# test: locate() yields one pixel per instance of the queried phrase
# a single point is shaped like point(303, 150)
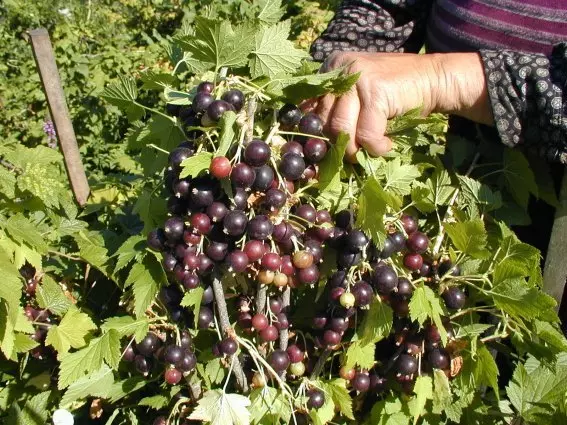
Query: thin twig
point(284, 333)
point(226, 328)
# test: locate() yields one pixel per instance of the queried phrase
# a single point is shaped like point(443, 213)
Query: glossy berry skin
point(148, 345)
point(275, 199)
point(271, 261)
point(217, 251)
point(310, 123)
point(314, 248)
point(454, 298)
point(237, 261)
point(346, 259)
point(255, 249)
point(235, 97)
point(355, 240)
point(291, 166)
point(315, 150)
point(316, 399)
point(260, 322)
point(205, 318)
point(363, 294)
point(257, 153)
point(417, 242)
point(439, 358)
point(385, 280)
point(409, 223)
point(142, 364)
point(228, 346)
point(413, 261)
point(319, 322)
point(242, 175)
point(447, 266)
point(361, 382)
point(178, 155)
point(331, 337)
point(260, 227)
point(405, 288)
point(293, 147)
point(302, 259)
point(388, 249)
point(307, 213)
point(279, 360)
point(338, 324)
point(240, 199)
point(347, 300)
point(264, 178)
point(187, 363)
point(173, 354)
point(169, 262)
point(220, 167)
point(186, 339)
point(295, 353)
point(201, 223)
point(309, 275)
point(217, 211)
point(201, 102)
point(156, 240)
point(289, 116)
point(282, 321)
point(173, 228)
point(203, 192)
point(205, 87)
point(235, 223)
point(270, 333)
point(217, 108)
point(173, 376)
point(129, 354)
point(406, 364)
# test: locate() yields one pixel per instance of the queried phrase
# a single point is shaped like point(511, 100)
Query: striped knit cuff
point(527, 94)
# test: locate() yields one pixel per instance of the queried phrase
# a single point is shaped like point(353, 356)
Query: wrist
point(460, 87)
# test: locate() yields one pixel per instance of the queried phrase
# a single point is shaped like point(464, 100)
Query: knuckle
point(338, 124)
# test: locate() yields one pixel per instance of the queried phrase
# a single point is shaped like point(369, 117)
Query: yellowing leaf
point(72, 331)
point(220, 408)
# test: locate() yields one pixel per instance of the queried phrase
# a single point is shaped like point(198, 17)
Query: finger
point(309, 105)
point(370, 129)
point(344, 118)
point(324, 107)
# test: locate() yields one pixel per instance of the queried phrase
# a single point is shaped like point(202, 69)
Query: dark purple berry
point(235, 97)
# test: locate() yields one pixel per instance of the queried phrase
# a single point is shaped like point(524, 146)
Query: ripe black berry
point(439, 358)
point(406, 364)
point(292, 166)
point(310, 124)
point(316, 399)
point(201, 102)
point(355, 240)
point(173, 353)
point(417, 242)
point(156, 240)
point(173, 228)
point(314, 150)
point(289, 116)
point(217, 108)
point(148, 345)
point(363, 294)
point(279, 360)
point(235, 223)
point(264, 178)
point(257, 153)
point(242, 175)
point(384, 279)
point(454, 298)
point(235, 97)
point(361, 382)
point(228, 346)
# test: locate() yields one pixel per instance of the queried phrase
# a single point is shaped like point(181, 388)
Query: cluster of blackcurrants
point(150, 353)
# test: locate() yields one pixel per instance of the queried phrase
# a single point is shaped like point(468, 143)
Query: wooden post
point(555, 269)
point(45, 60)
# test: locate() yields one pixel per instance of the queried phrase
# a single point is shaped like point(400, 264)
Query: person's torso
point(521, 25)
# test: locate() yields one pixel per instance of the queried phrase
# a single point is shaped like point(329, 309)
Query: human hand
point(391, 84)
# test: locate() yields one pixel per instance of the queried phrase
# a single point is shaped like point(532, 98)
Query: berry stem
point(225, 326)
point(284, 334)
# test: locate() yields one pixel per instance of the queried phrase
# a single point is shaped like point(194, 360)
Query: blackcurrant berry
point(316, 399)
point(260, 227)
point(454, 298)
point(289, 116)
point(242, 175)
point(279, 360)
point(314, 150)
point(234, 97)
point(310, 123)
point(406, 364)
point(217, 108)
point(201, 102)
point(235, 223)
point(417, 242)
point(384, 279)
point(156, 240)
point(292, 166)
point(257, 153)
point(264, 178)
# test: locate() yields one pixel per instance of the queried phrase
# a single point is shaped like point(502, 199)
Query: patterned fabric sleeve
point(375, 26)
point(528, 95)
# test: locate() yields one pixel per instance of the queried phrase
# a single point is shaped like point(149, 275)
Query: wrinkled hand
point(391, 84)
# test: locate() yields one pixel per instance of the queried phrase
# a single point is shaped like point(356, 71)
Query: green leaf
point(35, 411)
point(196, 164)
point(145, 278)
point(399, 177)
point(332, 165)
point(271, 11)
point(469, 237)
point(123, 94)
point(73, 331)
point(12, 284)
point(518, 177)
point(132, 248)
point(423, 390)
point(154, 80)
point(193, 299)
point(273, 53)
point(341, 397)
point(220, 408)
point(478, 193)
point(92, 250)
point(269, 406)
point(96, 384)
point(227, 133)
point(377, 323)
point(218, 44)
point(537, 394)
point(442, 397)
point(371, 209)
point(7, 183)
point(436, 191)
point(485, 369)
point(424, 304)
point(551, 335)
point(127, 326)
point(8, 318)
point(158, 401)
point(22, 230)
point(215, 371)
point(23, 343)
point(517, 299)
point(121, 389)
point(50, 296)
point(105, 349)
point(361, 354)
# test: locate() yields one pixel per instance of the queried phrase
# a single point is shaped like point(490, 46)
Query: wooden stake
point(45, 60)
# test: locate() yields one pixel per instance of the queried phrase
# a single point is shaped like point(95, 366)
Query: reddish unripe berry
point(260, 322)
point(413, 261)
point(271, 261)
point(302, 259)
point(220, 167)
point(270, 333)
point(173, 376)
